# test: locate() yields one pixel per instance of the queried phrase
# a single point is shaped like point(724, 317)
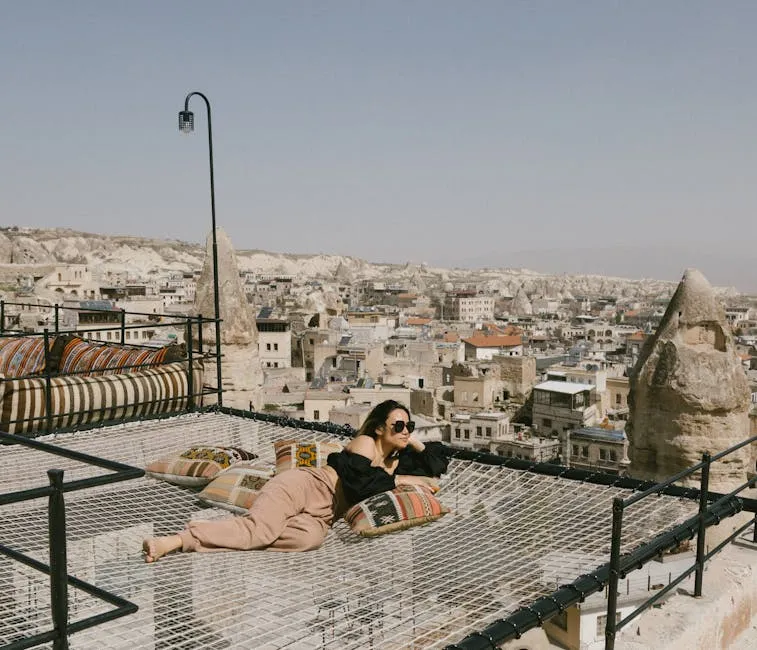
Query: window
point(275, 364)
point(603, 454)
point(316, 414)
point(275, 346)
point(575, 450)
point(457, 434)
point(478, 432)
point(466, 433)
point(509, 453)
point(585, 451)
point(488, 432)
point(613, 455)
point(618, 399)
point(547, 422)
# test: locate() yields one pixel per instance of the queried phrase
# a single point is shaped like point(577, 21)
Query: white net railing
point(512, 536)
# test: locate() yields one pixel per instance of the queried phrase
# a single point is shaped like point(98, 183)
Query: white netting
point(512, 537)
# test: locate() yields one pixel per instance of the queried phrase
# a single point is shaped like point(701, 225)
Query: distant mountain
point(143, 257)
point(734, 267)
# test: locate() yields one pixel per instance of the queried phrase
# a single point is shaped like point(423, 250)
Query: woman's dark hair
point(378, 416)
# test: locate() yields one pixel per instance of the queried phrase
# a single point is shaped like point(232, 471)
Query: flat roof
point(563, 387)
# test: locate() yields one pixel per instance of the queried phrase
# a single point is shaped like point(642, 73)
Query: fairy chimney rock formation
point(238, 326)
point(689, 393)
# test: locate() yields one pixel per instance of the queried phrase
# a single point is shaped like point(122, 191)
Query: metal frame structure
point(193, 326)
point(57, 567)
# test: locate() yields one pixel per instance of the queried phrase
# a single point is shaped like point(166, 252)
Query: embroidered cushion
point(237, 487)
point(297, 453)
point(403, 507)
point(196, 466)
point(88, 358)
point(23, 355)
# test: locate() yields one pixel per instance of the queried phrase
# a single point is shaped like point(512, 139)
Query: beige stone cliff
point(688, 391)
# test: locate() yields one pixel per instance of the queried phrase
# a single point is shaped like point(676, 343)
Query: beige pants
point(293, 512)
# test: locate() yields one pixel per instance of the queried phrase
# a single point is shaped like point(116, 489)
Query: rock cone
point(689, 393)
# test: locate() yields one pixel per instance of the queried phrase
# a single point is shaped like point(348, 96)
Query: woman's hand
point(415, 444)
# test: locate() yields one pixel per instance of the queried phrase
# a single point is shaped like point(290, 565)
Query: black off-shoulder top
point(361, 480)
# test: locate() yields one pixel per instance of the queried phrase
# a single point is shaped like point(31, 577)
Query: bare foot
point(155, 548)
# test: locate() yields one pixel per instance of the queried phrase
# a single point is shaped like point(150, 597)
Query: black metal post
point(701, 531)
point(754, 533)
point(123, 325)
point(58, 560)
point(199, 333)
point(216, 296)
point(48, 384)
point(614, 576)
point(2, 316)
point(57, 318)
point(190, 369)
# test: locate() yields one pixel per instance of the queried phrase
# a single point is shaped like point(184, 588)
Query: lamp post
point(186, 125)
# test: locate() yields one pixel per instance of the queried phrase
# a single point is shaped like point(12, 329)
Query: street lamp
point(187, 125)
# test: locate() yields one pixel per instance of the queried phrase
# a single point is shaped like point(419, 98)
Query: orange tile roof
point(483, 341)
point(637, 336)
point(418, 321)
point(451, 337)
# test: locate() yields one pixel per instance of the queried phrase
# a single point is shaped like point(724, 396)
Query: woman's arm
point(424, 481)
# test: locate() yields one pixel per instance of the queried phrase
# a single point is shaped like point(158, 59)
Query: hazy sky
point(424, 131)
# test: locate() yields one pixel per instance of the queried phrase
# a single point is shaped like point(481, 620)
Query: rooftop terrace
point(513, 536)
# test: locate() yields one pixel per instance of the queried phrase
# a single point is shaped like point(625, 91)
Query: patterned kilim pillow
point(403, 507)
point(237, 487)
point(196, 466)
point(87, 358)
point(22, 356)
point(298, 453)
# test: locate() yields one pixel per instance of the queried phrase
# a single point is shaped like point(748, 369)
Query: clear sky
point(453, 133)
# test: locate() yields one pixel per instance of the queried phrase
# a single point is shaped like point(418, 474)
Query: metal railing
point(57, 567)
point(708, 506)
point(193, 331)
point(713, 508)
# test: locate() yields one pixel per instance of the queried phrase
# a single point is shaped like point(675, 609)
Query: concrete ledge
point(713, 622)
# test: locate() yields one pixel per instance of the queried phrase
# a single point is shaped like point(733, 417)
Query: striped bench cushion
point(23, 355)
point(88, 358)
point(78, 400)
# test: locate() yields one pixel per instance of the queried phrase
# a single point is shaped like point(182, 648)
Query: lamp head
point(186, 121)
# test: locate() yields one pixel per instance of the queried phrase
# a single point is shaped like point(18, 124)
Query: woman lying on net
point(295, 509)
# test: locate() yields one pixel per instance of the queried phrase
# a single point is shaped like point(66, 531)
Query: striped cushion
point(23, 356)
point(298, 453)
point(80, 400)
point(196, 466)
point(88, 358)
point(236, 488)
point(403, 507)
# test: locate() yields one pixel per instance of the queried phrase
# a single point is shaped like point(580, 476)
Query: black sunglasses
point(399, 425)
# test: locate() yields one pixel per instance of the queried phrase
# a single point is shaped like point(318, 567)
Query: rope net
point(512, 536)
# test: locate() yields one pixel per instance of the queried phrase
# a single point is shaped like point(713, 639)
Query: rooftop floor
point(512, 536)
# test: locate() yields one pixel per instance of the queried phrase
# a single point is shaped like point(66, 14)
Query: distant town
point(534, 370)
